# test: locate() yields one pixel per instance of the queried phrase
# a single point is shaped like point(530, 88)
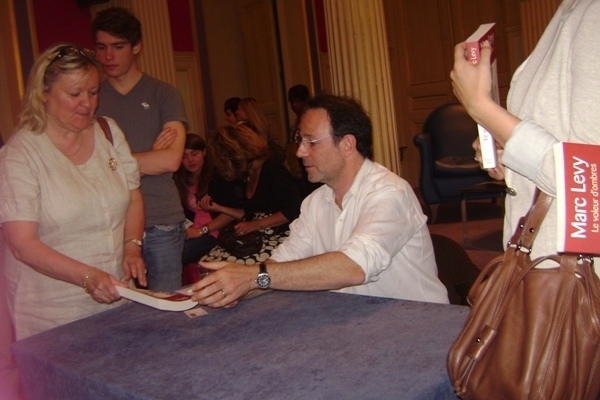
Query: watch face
point(263, 280)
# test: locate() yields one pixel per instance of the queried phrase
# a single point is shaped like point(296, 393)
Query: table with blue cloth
point(281, 345)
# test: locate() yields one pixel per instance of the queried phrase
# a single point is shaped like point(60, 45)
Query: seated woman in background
point(265, 187)
point(250, 114)
point(192, 181)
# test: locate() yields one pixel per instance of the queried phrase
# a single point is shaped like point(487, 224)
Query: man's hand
point(226, 285)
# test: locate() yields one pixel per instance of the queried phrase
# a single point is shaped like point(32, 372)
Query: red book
point(473, 53)
point(161, 300)
point(577, 198)
point(474, 43)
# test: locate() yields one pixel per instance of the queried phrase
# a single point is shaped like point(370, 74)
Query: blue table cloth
point(281, 345)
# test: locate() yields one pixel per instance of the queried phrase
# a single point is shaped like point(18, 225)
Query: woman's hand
point(206, 203)
point(472, 86)
point(133, 263)
point(101, 286)
point(246, 227)
point(165, 139)
point(472, 83)
point(498, 171)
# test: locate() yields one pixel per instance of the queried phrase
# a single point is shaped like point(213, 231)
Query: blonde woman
point(70, 205)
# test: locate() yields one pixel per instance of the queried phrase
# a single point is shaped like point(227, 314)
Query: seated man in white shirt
point(362, 232)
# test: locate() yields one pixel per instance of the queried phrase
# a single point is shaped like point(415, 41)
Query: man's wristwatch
point(263, 280)
point(205, 230)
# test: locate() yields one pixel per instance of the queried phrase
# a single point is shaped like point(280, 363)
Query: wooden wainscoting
point(187, 75)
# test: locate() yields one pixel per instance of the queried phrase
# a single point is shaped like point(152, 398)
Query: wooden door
point(422, 35)
point(263, 66)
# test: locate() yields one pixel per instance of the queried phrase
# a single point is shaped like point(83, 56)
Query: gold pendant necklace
point(79, 148)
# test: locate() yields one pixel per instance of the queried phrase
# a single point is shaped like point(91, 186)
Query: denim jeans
point(163, 246)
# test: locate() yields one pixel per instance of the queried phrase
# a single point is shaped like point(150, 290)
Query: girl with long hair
point(192, 181)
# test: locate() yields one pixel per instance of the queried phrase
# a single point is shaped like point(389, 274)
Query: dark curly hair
point(347, 117)
point(118, 22)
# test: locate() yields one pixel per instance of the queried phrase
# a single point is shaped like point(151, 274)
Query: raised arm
point(472, 85)
point(160, 161)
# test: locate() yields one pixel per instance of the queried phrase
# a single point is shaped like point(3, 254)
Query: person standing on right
point(553, 98)
point(150, 113)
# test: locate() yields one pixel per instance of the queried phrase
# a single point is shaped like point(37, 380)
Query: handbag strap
point(517, 250)
point(529, 225)
point(521, 241)
point(106, 129)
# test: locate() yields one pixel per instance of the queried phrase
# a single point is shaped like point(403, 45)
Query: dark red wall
point(320, 22)
point(181, 25)
point(59, 21)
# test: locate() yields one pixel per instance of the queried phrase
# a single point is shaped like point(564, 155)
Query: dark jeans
point(163, 246)
point(195, 248)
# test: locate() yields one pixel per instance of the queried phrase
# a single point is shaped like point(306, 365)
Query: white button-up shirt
point(381, 227)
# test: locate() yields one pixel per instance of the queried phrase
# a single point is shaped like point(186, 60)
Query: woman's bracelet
point(137, 242)
point(87, 276)
point(205, 230)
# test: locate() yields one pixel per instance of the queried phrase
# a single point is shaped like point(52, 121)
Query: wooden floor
point(484, 228)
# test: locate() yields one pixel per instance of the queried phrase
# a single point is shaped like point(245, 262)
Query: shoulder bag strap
point(533, 219)
point(106, 129)
point(529, 227)
point(519, 246)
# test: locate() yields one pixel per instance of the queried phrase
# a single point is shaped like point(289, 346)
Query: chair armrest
point(423, 143)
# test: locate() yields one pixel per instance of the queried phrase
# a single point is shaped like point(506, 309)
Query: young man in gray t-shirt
point(145, 108)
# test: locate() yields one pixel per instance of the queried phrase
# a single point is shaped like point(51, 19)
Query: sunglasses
point(69, 51)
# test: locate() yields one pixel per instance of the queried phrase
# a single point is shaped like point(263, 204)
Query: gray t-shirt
point(141, 114)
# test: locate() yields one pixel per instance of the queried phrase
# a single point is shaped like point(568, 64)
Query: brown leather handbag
point(532, 333)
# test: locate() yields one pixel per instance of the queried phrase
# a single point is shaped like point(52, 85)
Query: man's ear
point(348, 144)
point(137, 47)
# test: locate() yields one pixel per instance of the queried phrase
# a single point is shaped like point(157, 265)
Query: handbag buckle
point(586, 257)
point(519, 247)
